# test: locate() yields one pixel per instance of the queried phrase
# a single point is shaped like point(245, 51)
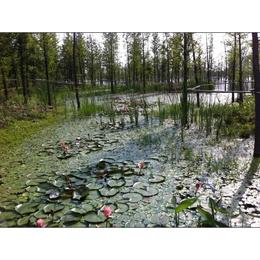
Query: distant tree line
point(150, 58)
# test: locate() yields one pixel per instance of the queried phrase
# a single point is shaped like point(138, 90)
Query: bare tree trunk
point(208, 77)
point(195, 72)
point(75, 70)
point(144, 83)
point(234, 69)
point(184, 90)
point(226, 67)
point(112, 65)
point(257, 94)
point(240, 68)
point(21, 43)
point(46, 63)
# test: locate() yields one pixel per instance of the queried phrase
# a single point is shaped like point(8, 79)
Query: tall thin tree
point(75, 70)
point(240, 68)
point(234, 68)
point(257, 93)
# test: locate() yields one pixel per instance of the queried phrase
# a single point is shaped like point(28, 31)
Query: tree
point(144, 40)
point(195, 67)
point(110, 52)
point(5, 48)
point(44, 40)
point(155, 50)
point(234, 68)
point(209, 50)
point(184, 89)
point(127, 44)
point(22, 42)
point(240, 67)
point(66, 57)
point(257, 93)
point(75, 70)
point(135, 56)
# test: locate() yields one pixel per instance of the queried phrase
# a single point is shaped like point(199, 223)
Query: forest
point(129, 130)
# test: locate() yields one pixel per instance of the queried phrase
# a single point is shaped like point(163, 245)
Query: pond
point(69, 187)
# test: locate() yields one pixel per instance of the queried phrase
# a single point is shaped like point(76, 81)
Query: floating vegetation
point(68, 177)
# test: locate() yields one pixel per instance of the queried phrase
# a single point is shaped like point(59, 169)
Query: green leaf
point(185, 204)
point(92, 217)
point(121, 207)
point(55, 207)
point(221, 210)
point(212, 203)
point(133, 197)
point(205, 223)
point(254, 216)
point(80, 192)
point(108, 192)
point(235, 216)
point(87, 207)
point(23, 221)
point(160, 220)
point(205, 214)
point(53, 193)
point(116, 184)
point(157, 179)
point(71, 217)
point(147, 192)
point(26, 208)
point(221, 224)
point(95, 186)
point(174, 201)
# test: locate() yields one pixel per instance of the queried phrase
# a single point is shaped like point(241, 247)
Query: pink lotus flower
point(62, 143)
point(52, 212)
point(40, 223)
point(70, 185)
point(141, 165)
point(67, 149)
point(197, 186)
point(107, 212)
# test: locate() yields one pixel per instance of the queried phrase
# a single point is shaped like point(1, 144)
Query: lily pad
point(59, 183)
point(31, 188)
point(95, 186)
point(160, 220)
point(53, 194)
point(93, 194)
point(40, 214)
point(121, 207)
point(26, 208)
point(157, 179)
point(8, 215)
point(87, 207)
point(134, 224)
point(55, 207)
point(79, 210)
point(74, 224)
point(116, 184)
point(71, 217)
point(80, 192)
point(23, 221)
point(108, 192)
point(133, 197)
point(92, 217)
point(148, 192)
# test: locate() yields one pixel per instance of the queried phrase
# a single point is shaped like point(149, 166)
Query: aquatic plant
point(40, 222)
